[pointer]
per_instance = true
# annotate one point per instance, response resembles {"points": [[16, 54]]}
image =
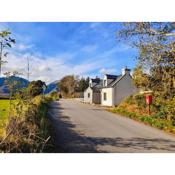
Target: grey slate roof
{"points": [[117, 79], [98, 85], [111, 76], [99, 82], [95, 80]]}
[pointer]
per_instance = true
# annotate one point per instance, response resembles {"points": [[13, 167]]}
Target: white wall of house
{"points": [[123, 89], [88, 95], [109, 97]]}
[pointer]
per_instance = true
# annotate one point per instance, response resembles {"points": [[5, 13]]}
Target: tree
{"points": [[36, 88], [83, 84], [12, 85], [68, 85], [141, 79], [5, 42], [156, 46]]}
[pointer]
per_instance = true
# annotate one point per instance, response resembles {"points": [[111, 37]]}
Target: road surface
{"points": [[83, 128]]}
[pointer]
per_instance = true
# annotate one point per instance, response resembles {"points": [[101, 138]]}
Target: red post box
{"points": [[149, 102], [148, 99]]}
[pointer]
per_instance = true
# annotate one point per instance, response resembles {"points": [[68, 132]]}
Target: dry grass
{"points": [[28, 131]]}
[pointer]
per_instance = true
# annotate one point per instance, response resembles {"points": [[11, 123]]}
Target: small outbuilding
{"points": [[93, 93]]}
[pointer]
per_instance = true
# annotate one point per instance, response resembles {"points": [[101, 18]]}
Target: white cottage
{"points": [[111, 90], [93, 93], [116, 88]]}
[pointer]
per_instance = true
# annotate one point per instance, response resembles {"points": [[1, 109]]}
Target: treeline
{"points": [[73, 86]]}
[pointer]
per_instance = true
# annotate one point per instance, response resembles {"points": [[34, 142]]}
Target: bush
{"points": [[165, 108], [29, 131], [136, 99], [139, 100], [162, 111], [55, 95]]}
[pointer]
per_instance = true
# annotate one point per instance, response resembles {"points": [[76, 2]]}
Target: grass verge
{"points": [[28, 130], [149, 120]]}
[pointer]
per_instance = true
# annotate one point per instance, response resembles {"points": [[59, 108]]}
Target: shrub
{"points": [[139, 100], [29, 131], [55, 95], [165, 108], [162, 111]]}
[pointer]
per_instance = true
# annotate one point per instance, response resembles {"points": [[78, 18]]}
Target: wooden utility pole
{"points": [[28, 69], [0, 57]]}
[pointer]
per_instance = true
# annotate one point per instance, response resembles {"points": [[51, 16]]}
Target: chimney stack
{"points": [[125, 71]]}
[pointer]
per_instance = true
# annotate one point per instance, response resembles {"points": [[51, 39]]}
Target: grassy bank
{"points": [[135, 108], [4, 112], [4, 106], [28, 129]]}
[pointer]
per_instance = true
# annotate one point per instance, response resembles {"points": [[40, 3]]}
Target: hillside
{"points": [[4, 88], [23, 83], [51, 87]]}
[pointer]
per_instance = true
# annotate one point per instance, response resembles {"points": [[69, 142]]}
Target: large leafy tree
{"points": [[83, 84], [141, 79], [156, 46], [36, 88], [68, 85], [5, 42]]}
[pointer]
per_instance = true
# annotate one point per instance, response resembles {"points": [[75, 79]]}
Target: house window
{"points": [[88, 95], [105, 96], [104, 82]]}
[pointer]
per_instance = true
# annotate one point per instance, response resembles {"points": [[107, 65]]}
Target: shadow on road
{"points": [[70, 141]]}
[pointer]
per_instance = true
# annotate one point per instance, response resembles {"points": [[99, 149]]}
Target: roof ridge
{"points": [[118, 79]]}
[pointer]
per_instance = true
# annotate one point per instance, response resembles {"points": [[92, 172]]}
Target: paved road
{"points": [[84, 128]]}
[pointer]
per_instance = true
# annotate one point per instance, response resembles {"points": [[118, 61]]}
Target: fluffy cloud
{"points": [[107, 71], [48, 69], [89, 48], [23, 47]]}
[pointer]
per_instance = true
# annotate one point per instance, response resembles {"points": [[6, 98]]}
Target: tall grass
{"points": [[28, 129]]}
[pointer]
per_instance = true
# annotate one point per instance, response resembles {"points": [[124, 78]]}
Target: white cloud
{"points": [[93, 25], [23, 47], [89, 48], [49, 69], [107, 71]]}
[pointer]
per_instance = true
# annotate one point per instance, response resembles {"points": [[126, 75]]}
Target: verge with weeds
{"points": [[135, 108], [28, 129]]}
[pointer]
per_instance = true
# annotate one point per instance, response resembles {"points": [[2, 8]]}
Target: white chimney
{"points": [[90, 83], [125, 71]]}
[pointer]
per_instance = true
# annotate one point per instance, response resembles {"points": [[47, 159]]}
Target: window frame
{"points": [[104, 96]]}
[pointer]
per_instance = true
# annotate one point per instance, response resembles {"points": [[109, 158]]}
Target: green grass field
{"points": [[4, 105], [4, 108]]}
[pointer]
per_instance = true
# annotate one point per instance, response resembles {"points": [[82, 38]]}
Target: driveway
{"points": [[83, 128]]}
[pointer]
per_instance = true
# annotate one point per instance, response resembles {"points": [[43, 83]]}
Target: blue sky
{"points": [[59, 49]]}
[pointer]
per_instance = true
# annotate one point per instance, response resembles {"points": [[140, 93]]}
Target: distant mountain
{"points": [[3, 85], [52, 87], [24, 83]]}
